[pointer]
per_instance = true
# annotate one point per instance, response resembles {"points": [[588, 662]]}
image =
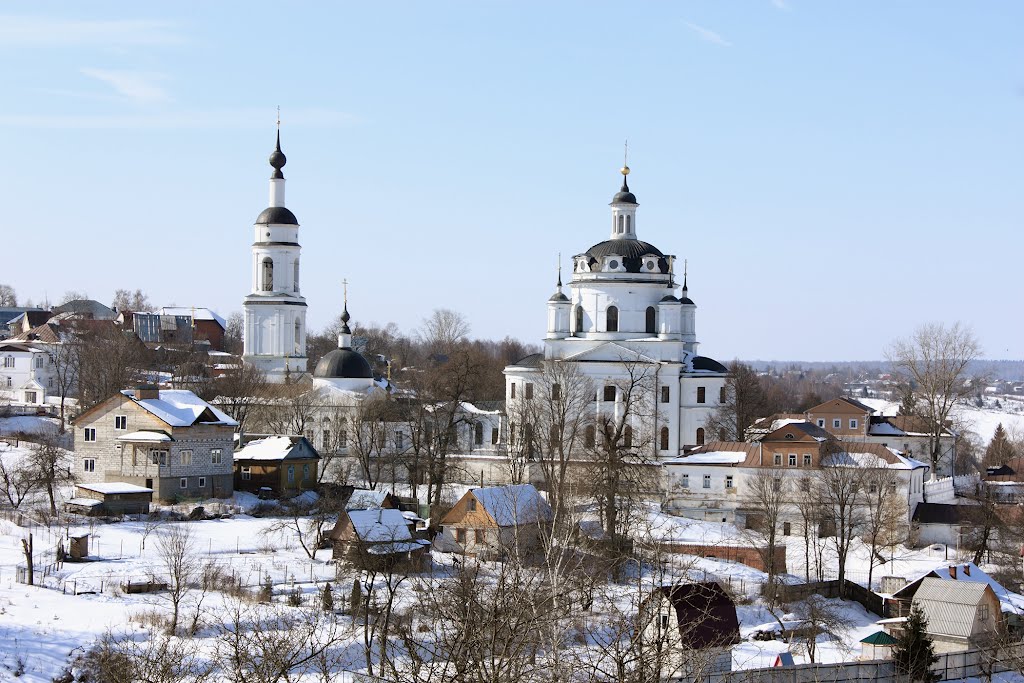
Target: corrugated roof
{"points": [[951, 607], [513, 505]]}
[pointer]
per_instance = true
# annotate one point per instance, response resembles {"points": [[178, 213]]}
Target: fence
{"points": [[945, 490], [868, 599]]}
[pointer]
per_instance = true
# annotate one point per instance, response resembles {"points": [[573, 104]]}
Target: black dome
{"points": [[558, 296], [686, 300], [624, 197], [708, 364], [668, 298], [278, 215], [631, 252], [343, 364]]}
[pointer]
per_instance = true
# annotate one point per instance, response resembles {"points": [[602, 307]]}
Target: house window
{"points": [[202, 482], [787, 528], [494, 435], [478, 433], [246, 473], [471, 504], [792, 459], [90, 434], [609, 392], [821, 423], [612, 318], [399, 440], [185, 457], [627, 436], [664, 439], [778, 459], [707, 481], [512, 389], [700, 436], [291, 474], [183, 483], [343, 439], [326, 438], [121, 422], [589, 436], [39, 362], [837, 423], [89, 465], [853, 424], [872, 488], [652, 321], [701, 395], [478, 536], [728, 481], [556, 391], [982, 612], [460, 536], [8, 361], [807, 459], [305, 473], [684, 481], [158, 458], [215, 456], [664, 622], [666, 394], [49, 383], [529, 391]]}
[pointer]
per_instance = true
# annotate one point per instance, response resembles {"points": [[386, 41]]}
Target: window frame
{"points": [[706, 483], [666, 394], [777, 459], [89, 434], [183, 483], [216, 456], [702, 395], [792, 460], [246, 471], [88, 464], [121, 423], [185, 457], [202, 482]]}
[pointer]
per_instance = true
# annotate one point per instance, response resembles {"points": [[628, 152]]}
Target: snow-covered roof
{"points": [[398, 547], [512, 505], [114, 487], [85, 502], [968, 572], [271, 448], [470, 408], [195, 313], [380, 525], [710, 458], [145, 436], [951, 607], [871, 455], [181, 408], [364, 499]]}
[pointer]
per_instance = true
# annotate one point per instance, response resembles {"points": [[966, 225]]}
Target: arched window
{"points": [[268, 274], [589, 436], [621, 223], [295, 276], [652, 320], [628, 221], [479, 433], [664, 438], [612, 317], [298, 337], [700, 436], [579, 319], [627, 436]]}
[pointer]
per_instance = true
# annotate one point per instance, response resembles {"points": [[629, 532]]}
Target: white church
{"points": [[624, 310]]}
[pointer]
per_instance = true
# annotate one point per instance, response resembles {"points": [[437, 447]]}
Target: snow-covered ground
{"points": [[981, 421]]}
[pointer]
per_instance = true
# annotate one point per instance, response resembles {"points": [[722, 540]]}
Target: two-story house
{"points": [[171, 441], [27, 372]]}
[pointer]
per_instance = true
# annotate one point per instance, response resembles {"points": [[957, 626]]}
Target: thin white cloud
{"points": [[39, 31], [249, 118], [137, 86], [707, 35], [782, 5]]}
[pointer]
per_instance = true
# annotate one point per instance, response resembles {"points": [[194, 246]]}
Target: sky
{"points": [[835, 174]]}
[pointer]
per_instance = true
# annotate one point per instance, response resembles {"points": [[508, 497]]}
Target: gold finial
{"points": [[625, 159]]}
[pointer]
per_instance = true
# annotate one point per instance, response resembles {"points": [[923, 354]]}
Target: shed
{"points": [[111, 498], [877, 646]]}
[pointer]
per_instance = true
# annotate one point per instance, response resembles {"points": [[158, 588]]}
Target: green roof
{"points": [[879, 638]]}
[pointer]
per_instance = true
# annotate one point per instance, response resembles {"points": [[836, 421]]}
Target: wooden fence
{"points": [[868, 599]]}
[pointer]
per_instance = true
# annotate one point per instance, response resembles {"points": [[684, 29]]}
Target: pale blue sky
{"points": [[835, 173]]}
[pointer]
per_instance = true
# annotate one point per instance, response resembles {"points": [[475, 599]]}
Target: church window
{"points": [[721, 395], [513, 390], [612, 317], [701, 395], [666, 393], [613, 264], [609, 392], [494, 435], [479, 433], [556, 391], [664, 438], [628, 227], [627, 436], [529, 391], [298, 335], [579, 319], [651, 320], [295, 276], [589, 436], [268, 274], [700, 436], [621, 219], [8, 361]]}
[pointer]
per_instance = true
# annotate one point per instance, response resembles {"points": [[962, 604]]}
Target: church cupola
{"points": [[624, 210], [689, 315], [558, 310]]}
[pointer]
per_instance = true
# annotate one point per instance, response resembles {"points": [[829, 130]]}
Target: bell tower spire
{"points": [[624, 205]]}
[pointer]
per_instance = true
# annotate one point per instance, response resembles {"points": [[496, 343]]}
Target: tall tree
{"points": [[50, 466], [127, 300], [109, 360], [766, 495], [1000, 450], [8, 297], [935, 360], [745, 401], [443, 329], [914, 652], [839, 490], [234, 333]]}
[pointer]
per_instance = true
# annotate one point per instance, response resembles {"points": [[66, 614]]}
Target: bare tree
{"points": [[65, 360], [369, 438], [935, 360], [50, 466], [177, 552], [73, 295], [127, 300], [443, 330], [234, 333], [840, 495], [109, 360], [885, 515], [17, 479], [307, 520], [154, 658], [240, 391], [808, 506], [745, 401], [8, 297], [765, 497], [819, 617]]}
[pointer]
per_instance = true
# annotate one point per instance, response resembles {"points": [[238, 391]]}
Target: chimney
{"points": [[952, 571], [146, 391], [967, 569]]}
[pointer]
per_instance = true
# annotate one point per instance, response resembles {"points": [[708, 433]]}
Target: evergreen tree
{"points": [[356, 600], [267, 591], [327, 598], [1000, 450], [914, 652]]}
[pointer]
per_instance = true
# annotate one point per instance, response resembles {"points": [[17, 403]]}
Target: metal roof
{"points": [[951, 607]]}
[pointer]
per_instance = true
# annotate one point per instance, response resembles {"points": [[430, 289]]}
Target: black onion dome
{"points": [[278, 215], [632, 253], [343, 364], [687, 300], [277, 158], [708, 364], [668, 298], [624, 196], [558, 296]]}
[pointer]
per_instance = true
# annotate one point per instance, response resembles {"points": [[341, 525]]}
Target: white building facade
{"points": [[275, 311], [625, 311]]}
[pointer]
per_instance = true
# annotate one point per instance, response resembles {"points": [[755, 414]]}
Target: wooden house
{"points": [[488, 521], [696, 626], [379, 538], [962, 615], [278, 466]]}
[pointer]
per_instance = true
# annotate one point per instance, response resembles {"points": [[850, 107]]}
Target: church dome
{"points": [[276, 215], [624, 197], [632, 253], [343, 364]]}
